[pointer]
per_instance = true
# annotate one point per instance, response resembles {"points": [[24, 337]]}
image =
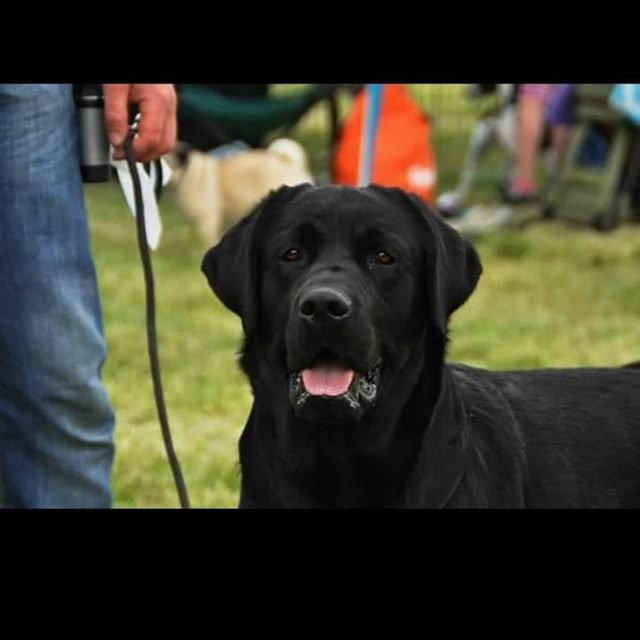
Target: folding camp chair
{"points": [[596, 195], [213, 115]]}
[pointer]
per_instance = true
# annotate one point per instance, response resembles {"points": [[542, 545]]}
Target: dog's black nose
{"points": [[324, 303]]}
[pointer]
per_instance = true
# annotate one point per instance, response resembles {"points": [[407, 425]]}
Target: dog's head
{"points": [[338, 288]]}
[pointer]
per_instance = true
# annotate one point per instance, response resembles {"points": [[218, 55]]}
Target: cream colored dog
{"points": [[214, 193]]}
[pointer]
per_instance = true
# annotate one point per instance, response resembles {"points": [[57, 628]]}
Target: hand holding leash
{"points": [[156, 103]]}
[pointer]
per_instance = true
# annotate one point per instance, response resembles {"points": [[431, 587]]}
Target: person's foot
{"points": [[521, 191], [449, 205]]}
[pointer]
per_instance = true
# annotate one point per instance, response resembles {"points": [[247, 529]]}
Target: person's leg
{"points": [[531, 107], [506, 133], [56, 421], [560, 117], [450, 203], [560, 137]]}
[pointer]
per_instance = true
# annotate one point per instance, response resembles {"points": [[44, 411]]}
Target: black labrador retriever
{"points": [[344, 296]]}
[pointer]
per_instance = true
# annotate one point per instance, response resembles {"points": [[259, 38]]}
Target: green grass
{"points": [[551, 295], [205, 393]]}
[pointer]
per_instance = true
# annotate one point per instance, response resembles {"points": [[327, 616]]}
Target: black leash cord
{"points": [[151, 325]]}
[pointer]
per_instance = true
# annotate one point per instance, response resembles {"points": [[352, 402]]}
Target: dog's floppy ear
{"points": [[228, 268], [231, 266], [456, 267], [453, 264]]}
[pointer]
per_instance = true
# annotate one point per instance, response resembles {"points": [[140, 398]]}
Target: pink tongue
{"points": [[326, 380]]}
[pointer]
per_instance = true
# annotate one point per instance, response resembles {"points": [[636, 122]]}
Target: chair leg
{"points": [[558, 187]]}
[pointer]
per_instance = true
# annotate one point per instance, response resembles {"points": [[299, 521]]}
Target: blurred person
{"points": [[56, 419], [540, 105]]}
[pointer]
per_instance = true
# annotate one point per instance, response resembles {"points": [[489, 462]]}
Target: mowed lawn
{"points": [[551, 295]]}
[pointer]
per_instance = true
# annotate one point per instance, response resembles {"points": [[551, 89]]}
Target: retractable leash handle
{"points": [[94, 147]]}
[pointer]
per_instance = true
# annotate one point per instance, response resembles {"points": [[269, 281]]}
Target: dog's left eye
{"points": [[382, 257], [292, 255]]}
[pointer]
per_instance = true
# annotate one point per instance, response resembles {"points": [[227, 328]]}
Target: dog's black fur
{"points": [[368, 278]]}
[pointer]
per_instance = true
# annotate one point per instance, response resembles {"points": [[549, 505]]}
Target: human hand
{"points": [[157, 128]]}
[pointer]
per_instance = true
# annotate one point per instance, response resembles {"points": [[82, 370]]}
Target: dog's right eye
{"points": [[382, 257], [292, 255]]}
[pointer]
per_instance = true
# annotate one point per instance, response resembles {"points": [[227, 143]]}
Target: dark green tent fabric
{"points": [[248, 119]]}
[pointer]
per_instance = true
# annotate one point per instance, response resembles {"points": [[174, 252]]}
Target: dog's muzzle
{"points": [[334, 372]]}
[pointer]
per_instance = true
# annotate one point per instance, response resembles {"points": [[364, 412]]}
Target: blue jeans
{"points": [[56, 420]]}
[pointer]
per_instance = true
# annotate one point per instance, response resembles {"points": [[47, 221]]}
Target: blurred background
{"points": [[556, 291]]}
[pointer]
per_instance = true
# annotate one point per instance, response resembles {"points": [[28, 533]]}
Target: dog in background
{"points": [[216, 192], [496, 127]]}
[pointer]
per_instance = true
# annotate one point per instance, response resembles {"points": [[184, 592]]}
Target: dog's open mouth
{"points": [[327, 380], [330, 391]]}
